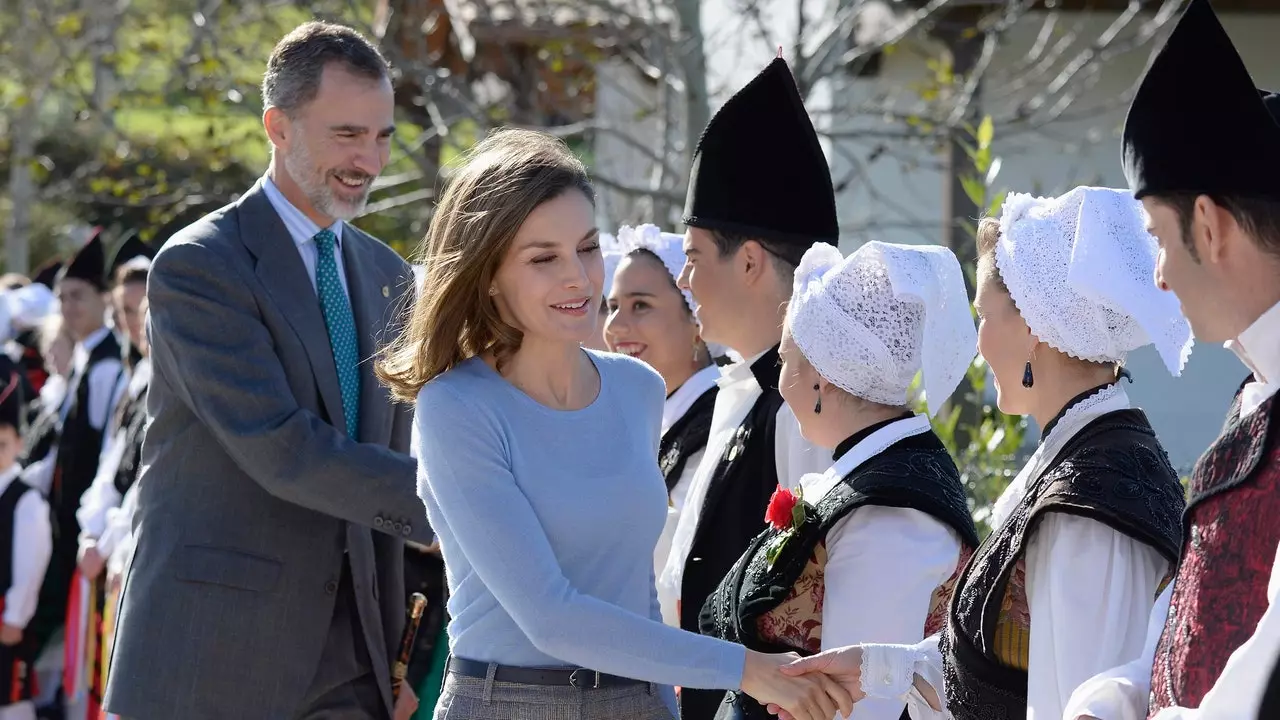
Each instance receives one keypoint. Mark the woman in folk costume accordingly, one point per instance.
(890, 513)
(652, 320)
(1088, 532)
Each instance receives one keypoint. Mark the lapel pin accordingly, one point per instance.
(386, 292)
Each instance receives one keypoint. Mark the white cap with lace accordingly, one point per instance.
(1080, 269)
(612, 253)
(869, 322)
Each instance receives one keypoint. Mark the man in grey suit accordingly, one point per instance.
(277, 491)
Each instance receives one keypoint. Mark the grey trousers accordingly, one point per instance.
(465, 698)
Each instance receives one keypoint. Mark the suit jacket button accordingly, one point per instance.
(331, 587)
(408, 530)
(397, 527)
(378, 521)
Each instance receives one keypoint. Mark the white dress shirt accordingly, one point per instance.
(1081, 574)
(32, 546)
(1123, 692)
(303, 231)
(673, 410)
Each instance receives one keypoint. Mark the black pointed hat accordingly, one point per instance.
(132, 248)
(759, 170)
(89, 264)
(48, 273)
(1221, 140)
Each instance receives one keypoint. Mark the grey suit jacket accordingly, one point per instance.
(250, 489)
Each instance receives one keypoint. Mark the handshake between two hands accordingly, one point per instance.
(813, 688)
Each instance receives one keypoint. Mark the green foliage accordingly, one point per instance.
(985, 443)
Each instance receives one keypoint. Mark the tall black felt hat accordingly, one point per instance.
(48, 273)
(132, 248)
(1197, 123)
(758, 169)
(89, 264)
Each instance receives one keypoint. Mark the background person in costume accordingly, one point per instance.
(538, 461)
(886, 528)
(760, 194)
(652, 320)
(28, 544)
(1088, 531)
(1206, 173)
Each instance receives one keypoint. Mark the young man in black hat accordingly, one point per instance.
(760, 194)
(72, 459)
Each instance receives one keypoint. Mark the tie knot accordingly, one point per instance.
(325, 239)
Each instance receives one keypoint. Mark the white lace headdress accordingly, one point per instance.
(868, 323)
(612, 253)
(1080, 269)
(669, 248)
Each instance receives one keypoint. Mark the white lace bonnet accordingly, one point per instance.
(1080, 268)
(668, 247)
(867, 323)
(612, 253)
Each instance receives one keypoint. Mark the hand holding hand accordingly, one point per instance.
(842, 666)
(803, 696)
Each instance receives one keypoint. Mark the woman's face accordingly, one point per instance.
(548, 285)
(649, 320)
(795, 383)
(1004, 340)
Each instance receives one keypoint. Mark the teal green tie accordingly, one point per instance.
(342, 329)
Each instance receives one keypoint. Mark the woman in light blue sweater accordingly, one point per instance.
(537, 463)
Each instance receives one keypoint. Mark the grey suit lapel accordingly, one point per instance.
(369, 305)
(281, 270)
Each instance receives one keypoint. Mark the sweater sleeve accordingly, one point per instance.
(465, 472)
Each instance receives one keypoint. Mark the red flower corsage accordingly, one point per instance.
(786, 515)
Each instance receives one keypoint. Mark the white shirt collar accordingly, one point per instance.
(1258, 347)
(302, 228)
(678, 404)
(817, 486)
(80, 356)
(740, 371)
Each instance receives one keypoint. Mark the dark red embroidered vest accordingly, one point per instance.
(1229, 545)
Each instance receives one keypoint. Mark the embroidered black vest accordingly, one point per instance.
(133, 420)
(686, 437)
(1113, 471)
(79, 447)
(915, 472)
(732, 514)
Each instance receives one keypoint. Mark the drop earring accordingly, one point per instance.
(817, 407)
(1028, 379)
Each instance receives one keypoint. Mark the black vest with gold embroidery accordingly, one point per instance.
(1113, 471)
(915, 472)
(686, 437)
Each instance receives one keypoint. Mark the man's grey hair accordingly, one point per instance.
(293, 72)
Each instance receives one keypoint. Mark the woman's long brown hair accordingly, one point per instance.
(500, 181)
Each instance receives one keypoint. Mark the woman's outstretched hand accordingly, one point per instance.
(842, 666)
(801, 696)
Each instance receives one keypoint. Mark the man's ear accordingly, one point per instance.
(278, 126)
(1211, 228)
(753, 260)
